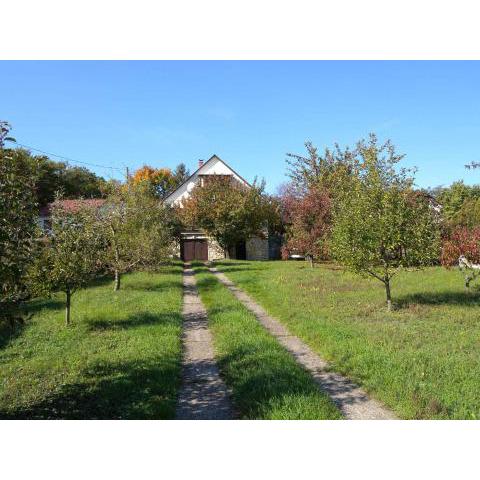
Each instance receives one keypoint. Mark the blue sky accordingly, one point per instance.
(251, 114)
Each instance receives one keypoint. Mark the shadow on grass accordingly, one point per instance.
(206, 282)
(151, 287)
(139, 319)
(226, 267)
(130, 390)
(264, 381)
(230, 263)
(170, 270)
(465, 299)
(9, 334)
(39, 304)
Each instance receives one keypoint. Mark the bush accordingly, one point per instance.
(461, 241)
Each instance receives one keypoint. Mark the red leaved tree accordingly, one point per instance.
(462, 241)
(308, 217)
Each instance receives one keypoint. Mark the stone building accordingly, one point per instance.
(196, 245)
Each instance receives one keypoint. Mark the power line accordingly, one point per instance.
(64, 158)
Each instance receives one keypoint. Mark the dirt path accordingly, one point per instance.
(352, 401)
(203, 395)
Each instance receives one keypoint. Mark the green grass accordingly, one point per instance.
(120, 358)
(265, 380)
(422, 360)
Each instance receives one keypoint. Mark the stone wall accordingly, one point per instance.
(175, 250)
(257, 248)
(215, 252)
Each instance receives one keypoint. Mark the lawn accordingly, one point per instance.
(120, 358)
(422, 360)
(265, 380)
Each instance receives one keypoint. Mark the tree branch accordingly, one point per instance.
(376, 276)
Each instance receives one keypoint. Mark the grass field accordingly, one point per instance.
(422, 360)
(265, 380)
(120, 358)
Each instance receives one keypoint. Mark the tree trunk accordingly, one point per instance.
(116, 286)
(311, 260)
(67, 308)
(389, 295)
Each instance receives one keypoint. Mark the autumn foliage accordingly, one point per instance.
(462, 241)
(308, 218)
(159, 181)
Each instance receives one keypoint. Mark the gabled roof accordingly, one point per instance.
(198, 172)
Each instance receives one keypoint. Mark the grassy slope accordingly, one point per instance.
(120, 358)
(266, 381)
(423, 360)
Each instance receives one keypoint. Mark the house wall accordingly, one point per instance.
(257, 248)
(215, 252)
(175, 249)
(213, 166)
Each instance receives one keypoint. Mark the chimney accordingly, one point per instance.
(200, 163)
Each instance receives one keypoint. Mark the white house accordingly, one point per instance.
(196, 245)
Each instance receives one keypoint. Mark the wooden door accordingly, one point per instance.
(201, 250)
(188, 250)
(193, 249)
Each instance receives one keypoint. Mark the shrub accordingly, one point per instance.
(461, 241)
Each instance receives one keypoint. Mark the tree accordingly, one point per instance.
(452, 198)
(55, 177)
(158, 181)
(461, 241)
(5, 128)
(383, 225)
(72, 255)
(468, 215)
(308, 218)
(69, 181)
(18, 229)
(310, 199)
(228, 210)
(138, 229)
(180, 174)
(330, 172)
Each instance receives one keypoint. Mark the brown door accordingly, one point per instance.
(188, 250)
(194, 250)
(201, 250)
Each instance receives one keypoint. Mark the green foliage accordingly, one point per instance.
(228, 211)
(72, 254)
(59, 178)
(180, 174)
(18, 229)
(382, 225)
(138, 229)
(330, 172)
(5, 128)
(309, 200)
(456, 200)
(468, 215)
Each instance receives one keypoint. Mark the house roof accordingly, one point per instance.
(197, 172)
(72, 205)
